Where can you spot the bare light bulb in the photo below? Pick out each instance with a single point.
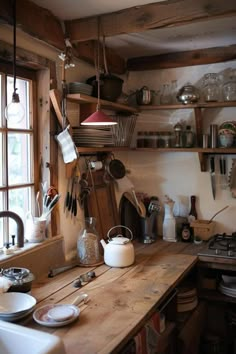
(14, 112)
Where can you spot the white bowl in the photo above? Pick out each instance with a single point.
(15, 303)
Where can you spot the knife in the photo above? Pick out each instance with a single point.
(213, 177)
(223, 172)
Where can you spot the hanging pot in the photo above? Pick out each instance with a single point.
(114, 169)
(110, 86)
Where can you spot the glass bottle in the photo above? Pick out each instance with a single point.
(178, 129)
(165, 97)
(211, 87)
(174, 92)
(88, 244)
(169, 223)
(193, 212)
(186, 233)
(189, 137)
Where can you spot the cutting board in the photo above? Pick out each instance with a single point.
(102, 203)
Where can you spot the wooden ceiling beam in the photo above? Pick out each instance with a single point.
(34, 20)
(42, 24)
(87, 50)
(152, 16)
(181, 59)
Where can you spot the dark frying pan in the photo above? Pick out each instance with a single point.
(116, 169)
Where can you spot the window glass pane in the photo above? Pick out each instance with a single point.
(23, 92)
(19, 158)
(1, 161)
(20, 203)
(1, 120)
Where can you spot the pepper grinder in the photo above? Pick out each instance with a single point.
(193, 212)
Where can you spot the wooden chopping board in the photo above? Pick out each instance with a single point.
(102, 203)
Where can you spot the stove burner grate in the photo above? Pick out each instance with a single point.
(223, 242)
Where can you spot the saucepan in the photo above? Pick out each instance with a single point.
(114, 169)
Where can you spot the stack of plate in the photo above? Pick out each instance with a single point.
(186, 299)
(96, 137)
(228, 285)
(14, 306)
(80, 87)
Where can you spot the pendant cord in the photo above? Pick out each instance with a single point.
(14, 45)
(98, 63)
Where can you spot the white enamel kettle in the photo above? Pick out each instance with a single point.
(119, 251)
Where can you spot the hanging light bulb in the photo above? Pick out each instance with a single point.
(14, 112)
(98, 117)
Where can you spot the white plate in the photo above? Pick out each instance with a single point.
(42, 315)
(14, 303)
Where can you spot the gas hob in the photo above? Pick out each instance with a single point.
(221, 245)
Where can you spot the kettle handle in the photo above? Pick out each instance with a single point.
(125, 227)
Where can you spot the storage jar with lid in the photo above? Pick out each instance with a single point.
(211, 87)
(88, 244)
(229, 87)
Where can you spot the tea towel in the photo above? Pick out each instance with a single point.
(67, 145)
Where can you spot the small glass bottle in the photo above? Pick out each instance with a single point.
(193, 212)
(88, 245)
(211, 87)
(186, 233)
(189, 137)
(229, 87)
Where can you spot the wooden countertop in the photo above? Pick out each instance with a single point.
(121, 298)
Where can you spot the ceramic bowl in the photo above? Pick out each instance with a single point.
(15, 303)
(226, 139)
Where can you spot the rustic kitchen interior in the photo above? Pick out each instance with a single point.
(137, 251)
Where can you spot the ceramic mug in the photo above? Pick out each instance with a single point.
(35, 229)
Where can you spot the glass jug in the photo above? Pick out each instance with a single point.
(211, 87)
(88, 244)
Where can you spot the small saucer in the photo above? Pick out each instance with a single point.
(56, 315)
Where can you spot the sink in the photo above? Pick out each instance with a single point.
(15, 339)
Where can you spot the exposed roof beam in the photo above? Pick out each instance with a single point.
(34, 20)
(42, 24)
(152, 16)
(86, 51)
(181, 59)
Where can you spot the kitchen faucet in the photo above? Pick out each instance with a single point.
(20, 225)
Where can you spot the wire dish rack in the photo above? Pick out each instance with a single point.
(123, 131)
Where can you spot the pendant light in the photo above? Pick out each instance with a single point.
(98, 117)
(14, 112)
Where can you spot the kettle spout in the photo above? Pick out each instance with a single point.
(103, 243)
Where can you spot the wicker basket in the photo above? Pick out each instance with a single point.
(203, 228)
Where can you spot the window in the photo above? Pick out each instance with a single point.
(17, 149)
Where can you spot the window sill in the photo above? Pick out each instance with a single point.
(29, 247)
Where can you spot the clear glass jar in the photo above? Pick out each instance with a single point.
(178, 131)
(165, 97)
(229, 87)
(211, 87)
(188, 137)
(88, 244)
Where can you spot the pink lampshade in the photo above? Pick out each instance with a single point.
(98, 118)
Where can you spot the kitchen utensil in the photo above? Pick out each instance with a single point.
(224, 181)
(213, 177)
(218, 212)
(114, 168)
(119, 251)
(188, 94)
(65, 312)
(21, 279)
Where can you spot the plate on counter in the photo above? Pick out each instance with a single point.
(56, 315)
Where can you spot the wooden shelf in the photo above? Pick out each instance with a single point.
(188, 106)
(84, 99)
